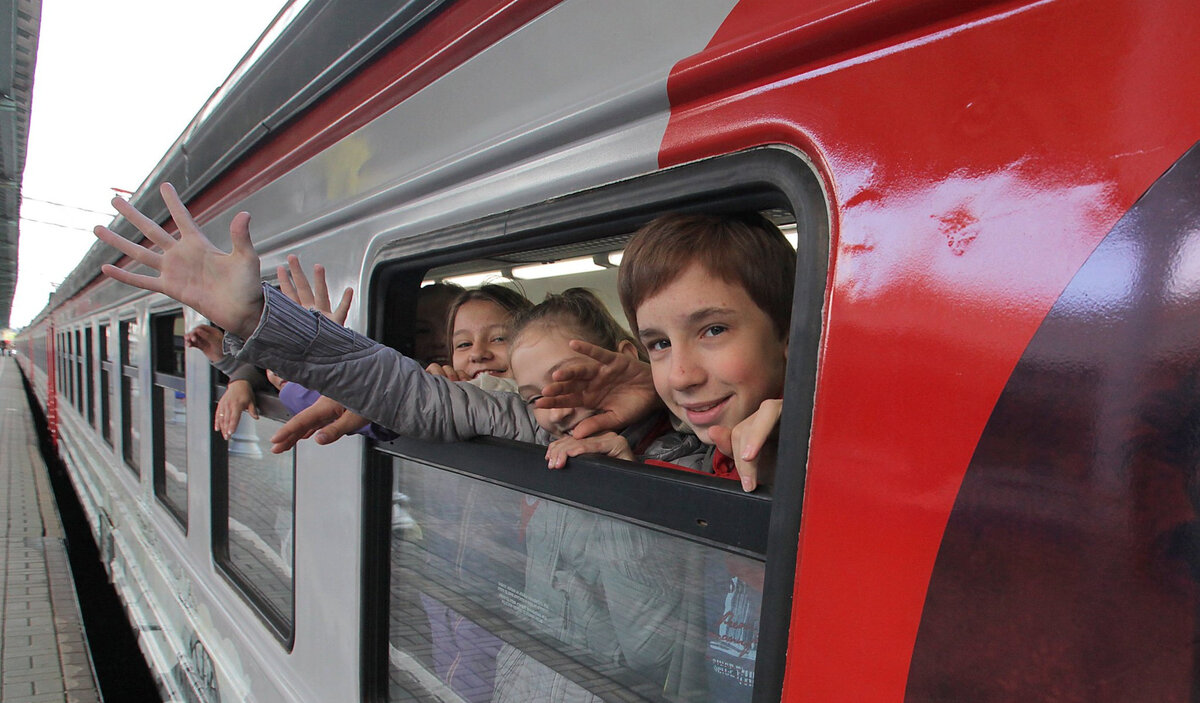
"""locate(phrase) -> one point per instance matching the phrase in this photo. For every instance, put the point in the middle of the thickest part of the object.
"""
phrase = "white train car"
(963, 226)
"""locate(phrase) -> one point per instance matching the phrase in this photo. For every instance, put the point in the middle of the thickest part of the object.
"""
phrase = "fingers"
(436, 369)
(320, 289)
(556, 453)
(348, 423)
(137, 252)
(136, 280)
(609, 443)
(597, 424)
(304, 423)
(578, 371)
(285, 284)
(300, 281)
(239, 236)
(745, 442)
(343, 309)
(604, 356)
(145, 225)
(722, 439)
(753, 432)
(179, 212)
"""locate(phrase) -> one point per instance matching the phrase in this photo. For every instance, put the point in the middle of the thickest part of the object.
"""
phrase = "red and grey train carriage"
(986, 487)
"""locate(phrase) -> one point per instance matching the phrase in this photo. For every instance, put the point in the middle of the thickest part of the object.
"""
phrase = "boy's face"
(539, 352)
(714, 353)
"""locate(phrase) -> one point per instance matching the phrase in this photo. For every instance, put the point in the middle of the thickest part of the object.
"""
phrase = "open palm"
(223, 287)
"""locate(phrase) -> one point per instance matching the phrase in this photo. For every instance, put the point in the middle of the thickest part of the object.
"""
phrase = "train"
(986, 486)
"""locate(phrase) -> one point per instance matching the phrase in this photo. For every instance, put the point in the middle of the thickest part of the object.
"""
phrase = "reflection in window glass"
(105, 387)
(259, 520)
(174, 458)
(501, 596)
(131, 434)
(169, 415)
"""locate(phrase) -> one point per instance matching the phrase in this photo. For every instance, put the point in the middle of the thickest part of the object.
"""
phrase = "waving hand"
(294, 284)
(223, 287)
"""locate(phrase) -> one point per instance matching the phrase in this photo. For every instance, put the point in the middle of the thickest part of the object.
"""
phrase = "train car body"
(986, 487)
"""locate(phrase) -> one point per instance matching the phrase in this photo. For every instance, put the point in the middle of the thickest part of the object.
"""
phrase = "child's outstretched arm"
(616, 383)
(223, 287)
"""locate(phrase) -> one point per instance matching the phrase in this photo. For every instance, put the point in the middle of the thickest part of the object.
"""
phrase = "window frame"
(761, 178)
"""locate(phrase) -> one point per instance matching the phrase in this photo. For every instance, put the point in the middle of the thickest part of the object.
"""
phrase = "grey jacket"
(376, 381)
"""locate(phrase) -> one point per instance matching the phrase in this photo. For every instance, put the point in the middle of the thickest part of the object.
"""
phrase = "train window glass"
(69, 366)
(169, 403)
(79, 371)
(39, 353)
(89, 378)
(254, 498)
(131, 433)
(106, 390)
(498, 594)
(612, 580)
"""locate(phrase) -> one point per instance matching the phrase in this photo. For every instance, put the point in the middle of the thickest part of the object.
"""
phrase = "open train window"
(131, 432)
(169, 414)
(254, 509)
(489, 575)
(106, 390)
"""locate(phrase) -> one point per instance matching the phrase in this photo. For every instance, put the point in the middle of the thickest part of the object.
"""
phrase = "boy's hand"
(207, 339)
(239, 397)
(316, 296)
(223, 287)
(609, 444)
(327, 418)
(751, 444)
(619, 384)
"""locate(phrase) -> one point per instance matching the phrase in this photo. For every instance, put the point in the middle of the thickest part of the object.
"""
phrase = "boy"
(710, 298)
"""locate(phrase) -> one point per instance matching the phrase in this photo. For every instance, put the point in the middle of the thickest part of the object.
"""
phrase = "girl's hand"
(294, 284)
(223, 287)
(609, 444)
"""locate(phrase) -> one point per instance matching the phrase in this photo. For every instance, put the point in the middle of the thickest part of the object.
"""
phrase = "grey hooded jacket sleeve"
(376, 381)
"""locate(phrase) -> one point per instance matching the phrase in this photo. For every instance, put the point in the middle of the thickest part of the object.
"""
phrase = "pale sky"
(115, 85)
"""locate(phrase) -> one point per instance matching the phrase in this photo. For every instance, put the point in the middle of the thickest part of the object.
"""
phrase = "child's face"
(480, 341)
(542, 350)
(714, 353)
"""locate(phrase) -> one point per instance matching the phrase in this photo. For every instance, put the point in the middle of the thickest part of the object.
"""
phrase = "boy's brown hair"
(580, 311)
(744, 249)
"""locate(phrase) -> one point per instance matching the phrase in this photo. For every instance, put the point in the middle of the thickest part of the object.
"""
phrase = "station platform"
(43, 652)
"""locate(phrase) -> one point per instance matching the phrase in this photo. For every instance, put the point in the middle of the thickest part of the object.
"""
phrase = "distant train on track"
(987, 481)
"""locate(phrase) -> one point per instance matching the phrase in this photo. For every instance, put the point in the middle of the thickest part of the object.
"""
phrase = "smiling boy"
(711, 297)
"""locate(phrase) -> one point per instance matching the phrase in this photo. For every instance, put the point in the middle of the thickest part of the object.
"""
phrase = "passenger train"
(986, 487)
